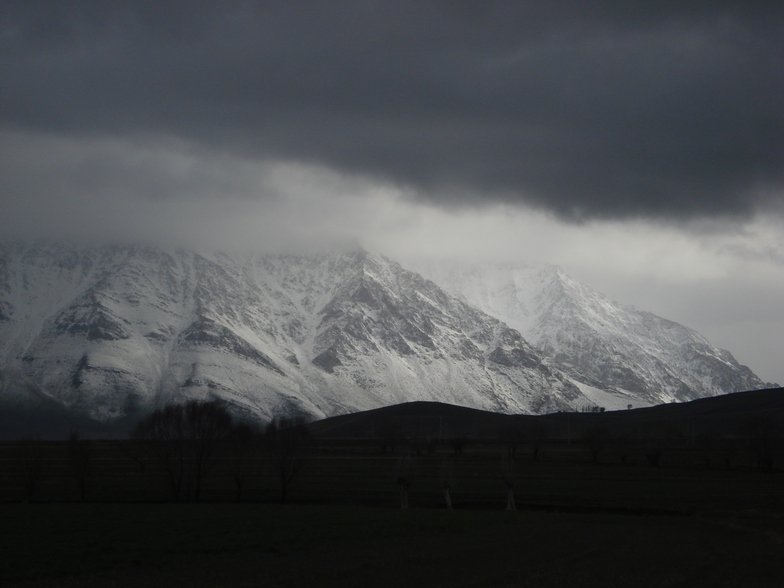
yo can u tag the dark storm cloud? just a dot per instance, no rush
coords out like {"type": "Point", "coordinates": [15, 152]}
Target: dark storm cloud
{"type": "Point", "coordinates": [586, 109]}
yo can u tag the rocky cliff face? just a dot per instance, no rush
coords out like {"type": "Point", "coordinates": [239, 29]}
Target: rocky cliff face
{"type": "Point", "coordinates": [109, 331]}
{"type": "Point", "coordinates": [599, 342]}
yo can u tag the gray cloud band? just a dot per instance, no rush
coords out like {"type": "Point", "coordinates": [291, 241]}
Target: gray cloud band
{"type": "Point", "coordinates": [607, 112]}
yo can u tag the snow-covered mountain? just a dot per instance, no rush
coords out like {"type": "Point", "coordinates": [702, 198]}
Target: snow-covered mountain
{"type": "Point", "coordinates": [612, 346]}
{"type": "Point", "coordinates": [108, 331]}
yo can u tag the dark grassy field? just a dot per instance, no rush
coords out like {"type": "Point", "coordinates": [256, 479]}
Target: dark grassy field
{"type": "Point", "coordinates": [322, 545]}
{"type": "Point", "coordinates": [688, 480]}
{"type": "Point", "coordinates": [579, 523]}
{"type": "Point", "coordinates": [704, 513]}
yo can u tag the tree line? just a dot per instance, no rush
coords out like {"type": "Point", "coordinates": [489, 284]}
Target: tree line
{"type": "Point", "coordinates": [181, 445]}
{"type": "Point", "coordinates": [185, 438]}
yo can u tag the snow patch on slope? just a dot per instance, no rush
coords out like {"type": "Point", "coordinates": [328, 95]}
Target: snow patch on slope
{"type": "Point", "coordinates": [602, 343]}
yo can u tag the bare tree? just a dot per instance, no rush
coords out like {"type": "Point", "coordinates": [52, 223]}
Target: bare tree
{"type": "Point", "coordinates": [162, 435]}
{"type": "Point", "coordinates": [79, 458]}
{"type": "Point", "coordinates": [657, 436]}
{"type": "Point", "coordinates": [536, 432]}
{"type": "Point", "coordinates": [623, 442]}
{"type": "Point", "coordinates": [206, 425]}
{"type": "Point", "coordinates": [389, 436]}
{"type": "Point", "coordinates": [448, 480]}
{"type": "Point", "coordinates": [288, 442]}
{"type": "Point", "coordinates": [458, 445]}
{"type": "Point", "coordinates": [595, 440]}
{"type": "Point", "coordinates": [405, 478]}
{"type": "Point", "coordinates": [508, 478]}
{"type": "Point", "coordinates": [762, 435]}
{"type": "Point", "coordinates": [30, 460]}
{"type": "Point", "coordinates": [240, 443]}
{"type": "Point", "coordinates": [183, 438]}
{"type": "Point", "coordinates": [510, 436]}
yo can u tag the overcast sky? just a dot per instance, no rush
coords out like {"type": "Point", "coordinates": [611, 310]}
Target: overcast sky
{"type": "Point", "coordinates": [638, 145]}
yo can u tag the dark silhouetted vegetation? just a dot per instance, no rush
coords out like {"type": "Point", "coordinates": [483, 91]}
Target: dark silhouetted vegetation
{"type": "Point", "coordinates": [508, 472]}
{"type": "Point", "coordinates": [29, 458]}
{"type": "Point", "coordinates": [715, 492]}
{"type": "Point", "coordinates": [536, 434]}
{"type": "Point", "coordinates": [80, 461]}
{"type": "Point", "coordinates": [184, 439]}
{"type": "Point", "coordinates": [405, 474]}
{"type": "Point", "coordinates": [241, 441]}
{"type": "Point", "coordinates": [448, 478]}
{"type": "Point", "coordinates": [289, 443]}
{"type": "Point", "coordinates": [458, 445]}
{"type": "Point", "coordinates": [510, 437]}
{"type": "Point", "coordinates": [762, 435]}
{"type": "Point", "coordinates": [595, 440]}
{"type": "Point", "coordinates": [389, 436]}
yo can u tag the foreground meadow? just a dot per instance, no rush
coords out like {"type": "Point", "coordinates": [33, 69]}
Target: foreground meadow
{"type": "Point", "coordinates": [321, 545]}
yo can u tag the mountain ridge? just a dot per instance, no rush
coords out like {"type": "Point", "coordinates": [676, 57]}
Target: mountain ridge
{"type": "Point", "coordinates": [109, 331]}
{"type": "Point", "coordinates": [104, 331]}
{"type": "Point", "coordinates": [600, 340]}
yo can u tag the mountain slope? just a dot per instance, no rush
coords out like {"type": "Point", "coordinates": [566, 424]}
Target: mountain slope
{"type": "Point", "coordinates": [109, 331]}
{"type": "Point", "coordinates": [601, 342]}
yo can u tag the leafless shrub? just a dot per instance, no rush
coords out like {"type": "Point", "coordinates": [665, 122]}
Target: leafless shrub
{"type": "Point", "coordinates": [30, 465]}
{"type": "Point", "coordinates": [80, 461]}
{"type": "Point", "coordinates": [240, 444]}
{"type": "Point", "coordinates": [183, 438]}
{"type": "Point", "coordinates": [405, 478]}
{"type": "Point", "coordinates": [289, 443]}
{"type": "Point", "coordinates": [508, 478]}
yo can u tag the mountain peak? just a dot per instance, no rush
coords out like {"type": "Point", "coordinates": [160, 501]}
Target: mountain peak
{"type": "Point", "coordinates": [320, 334]}
{"type": "Point", "coordinates": [106, 331]}
{"type": "Point", "coordinates": [601, 342]}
